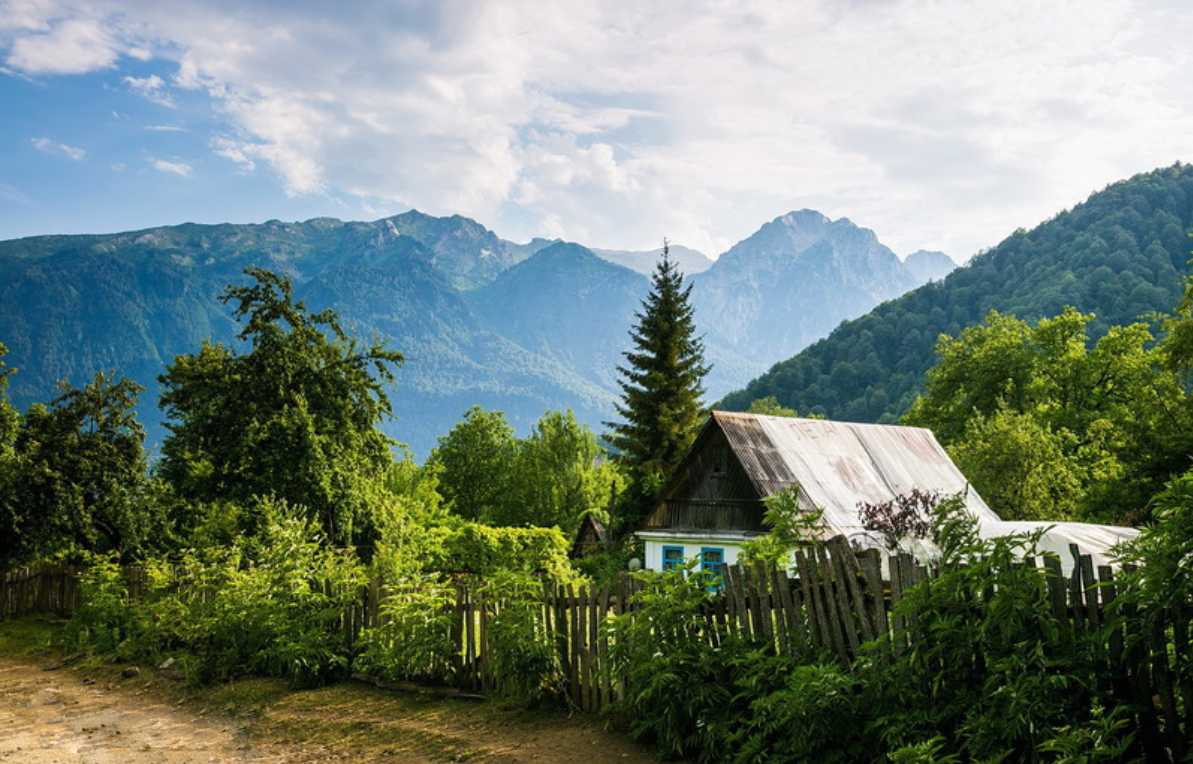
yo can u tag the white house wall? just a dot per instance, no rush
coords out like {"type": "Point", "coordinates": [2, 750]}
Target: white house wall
{"type": "Point", "coordinates": [693, 545]}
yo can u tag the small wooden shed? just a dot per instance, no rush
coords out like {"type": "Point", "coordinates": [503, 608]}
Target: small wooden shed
{"type": "Point", "coordinates": [591, 537]}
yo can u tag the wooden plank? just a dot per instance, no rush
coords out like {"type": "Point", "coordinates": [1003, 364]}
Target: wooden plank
{"type": "Point", "coordinates": [582, 610]}
{"type": "Point", "coordinates": [844, 583]}
{"type": "Point", "coordinates": [574, 644]}
{"type": "Point", "coordinates": [1056, 589]}
{"type": "Point", "coordinates": [1164, 685]}
{"type": "Point", "coordinates": [474, 615]}
{"type": "Point", "coordinates": [594, 649]}
{"type": "Point", "coordinates": [818, 628]}
{"type": "Point", "coordinates": [760, 593]}
{"type": "Point", "coordinates": [606, 605]}
{"type": "Point", "coordinates": [824, 590]}
{"type": "Point", "coordinates": [801, 630]}
{"type": "Point", "coordinates": [1093, 612]}
{"type": "Point", "coordinates": [1076, 590]}
{"type": "Point", "coordinates": [851, 571]}
{"type": "Point", "coordinates": [871, 565]}
{"type": "Point", "coordinates": [738, 604]}
{"type": "Point", "coordinates": [784, 612]}
{"type": "Point", "coordinates": [909, 575]}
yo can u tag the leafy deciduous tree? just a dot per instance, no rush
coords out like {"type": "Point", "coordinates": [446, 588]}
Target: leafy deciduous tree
{"type": "Point", "coordinates": [295, 417]}
{"type": "Point", "coordinates": [549, 478]}
{"type": "Point", "coordinates": [476, 461]}
{"type": "Point", "coordinates": [558, 476]}
{"type": "Point", "coordinates": [1047, 427]}
{"type": "Point", "coordinates": [77, 475]}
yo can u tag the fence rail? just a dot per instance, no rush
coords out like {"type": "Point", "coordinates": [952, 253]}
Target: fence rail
{"type": "Point", "coordinates": [835, 599]}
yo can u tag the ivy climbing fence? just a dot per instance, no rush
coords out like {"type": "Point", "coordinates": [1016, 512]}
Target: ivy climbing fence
{"type": "Point", "coordinates": [833, 600]}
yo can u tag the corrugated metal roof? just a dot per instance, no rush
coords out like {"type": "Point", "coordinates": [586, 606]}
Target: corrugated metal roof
{"type": "Point", "coordinates": [839, 465]}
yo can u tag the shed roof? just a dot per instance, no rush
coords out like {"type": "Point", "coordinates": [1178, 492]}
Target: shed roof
{"type": "Point", "coordinates": [839, 465]}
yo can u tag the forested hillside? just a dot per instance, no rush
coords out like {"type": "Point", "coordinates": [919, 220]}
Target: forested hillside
{"type": "Point", "coordinates": [1120, 255]}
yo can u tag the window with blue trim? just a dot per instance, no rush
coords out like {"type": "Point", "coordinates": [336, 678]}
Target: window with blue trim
{"type": "Point", "coordinates": [712, 561]}
{"type": "Point", "coordinates": [672, 557]}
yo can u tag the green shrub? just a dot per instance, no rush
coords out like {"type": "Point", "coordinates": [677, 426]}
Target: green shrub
{"type": "Point", "coordinates": [103, 620]}
{"type": "Point", "coordinates": [989, 668]}
{"type": "Point", "coordinates": [413, 640]}
{"type": "Point", "coordinates": [525, 659]}
{"type": "Point", "coordinates": [483, 550]}
{"type": "Point", "coordinates": [816, 713]}
{"type": "Point", "coordinates": [273, 605]}
{"type": "Point", "coordinates": [677, 686]}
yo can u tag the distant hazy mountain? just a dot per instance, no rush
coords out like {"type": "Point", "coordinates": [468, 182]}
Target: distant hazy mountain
{"type": "Point", "coordinates": [793, 281]}
{"type": "Point", "coordinates": [482, 321]}
{"type": "Point", "coordinates": [689, 260]}
{"type": "Point", "coordinates": [72, 305]}
{"type": "Point", "coordinates": [566, 304]}
{"type": "Point", "coordinates": [1120, 255]}
{"type": "Point", "coordinates": [928, 266]}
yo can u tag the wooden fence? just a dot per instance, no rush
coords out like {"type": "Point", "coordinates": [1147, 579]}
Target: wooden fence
{"type": "Point", "coordinates": [48, 589]}
{"type": "Point", "coordinates": [835, 599]}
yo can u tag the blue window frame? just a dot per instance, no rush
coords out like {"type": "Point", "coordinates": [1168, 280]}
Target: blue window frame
{"type": "Point", "coordinates": [712, 561]}
{"type": "Point", "coordinates": [672, 557]}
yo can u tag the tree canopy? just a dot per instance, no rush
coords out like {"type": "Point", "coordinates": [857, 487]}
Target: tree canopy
{"type": "Point", "coordinates": [550, 478]}
{"type": "Point", "coordinates": [662, 386]}
{"type": "Point", "coordinates": [475, 460]}
{"type": "Point", "coordinates": [294, 416]}
{"type": "Point", "coordinates": [1048, 427]}
{"type": "Point", "coordinates": [77, 474]}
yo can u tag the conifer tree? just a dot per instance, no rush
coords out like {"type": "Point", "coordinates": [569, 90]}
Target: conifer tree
{"type": "Point", "coordinates": [662, 385]}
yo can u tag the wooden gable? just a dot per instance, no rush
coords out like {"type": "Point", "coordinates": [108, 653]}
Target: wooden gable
{"type": "Point", "coordinates": [710, 490]}
{"type": "Point", "coordinates": [591, 537]}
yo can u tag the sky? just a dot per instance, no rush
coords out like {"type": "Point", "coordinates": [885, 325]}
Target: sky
{"type": "Point", "coordinates": [940, 125]}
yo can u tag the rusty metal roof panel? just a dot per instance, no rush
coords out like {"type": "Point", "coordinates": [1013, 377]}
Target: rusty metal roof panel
{"type": "Point", "coordinates": [840, 465]}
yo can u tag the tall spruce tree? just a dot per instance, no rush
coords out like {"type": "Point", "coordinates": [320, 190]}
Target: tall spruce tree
{"type": "Point", "coordinates": [662, 384]}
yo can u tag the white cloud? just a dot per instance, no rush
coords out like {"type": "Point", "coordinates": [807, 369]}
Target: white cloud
{"type": "Point", "coordinates": [940, 125]}
{"type": "Point", "coordinates": [181, 169]}
{"type": "Point", "coordinates": [72, 46]}
{"type": "Point", "coordinates": [53, 147]}
{"type": "Point", "coordinates": [152, 88]}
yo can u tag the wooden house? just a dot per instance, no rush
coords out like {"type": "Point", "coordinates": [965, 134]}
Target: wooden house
{"type": "Point", "coordinates": [713, 501]}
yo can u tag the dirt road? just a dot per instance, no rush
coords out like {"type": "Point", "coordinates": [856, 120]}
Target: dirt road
{"type": "Point", "coordinates": [70, 717]}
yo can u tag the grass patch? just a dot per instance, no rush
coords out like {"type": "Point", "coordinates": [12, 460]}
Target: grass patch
{"type": "Point", "coordinates": [246, 699]}
{"type": "Point", "coordinates": [29, 636]}
{"type": "Point", "coordinates": [369, 724]}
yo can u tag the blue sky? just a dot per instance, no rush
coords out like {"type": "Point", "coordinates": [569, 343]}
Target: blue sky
{"type": "Point", "coordinates": [940, 125]}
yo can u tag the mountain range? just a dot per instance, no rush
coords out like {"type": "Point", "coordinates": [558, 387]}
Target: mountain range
{"type": "Point", "coordinates": [1122, 255]}
{"type": "Point", "coordinates": [519, 328]}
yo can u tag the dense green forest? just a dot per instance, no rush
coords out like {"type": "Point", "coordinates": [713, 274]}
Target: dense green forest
{"type": "Point", "coordinates": [1119, 256]}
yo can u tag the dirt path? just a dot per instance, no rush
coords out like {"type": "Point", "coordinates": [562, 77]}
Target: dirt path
{"type": "Point", "coordinates": [52, 717]}
{"type": "Point", "coordinates": [70, 717]}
